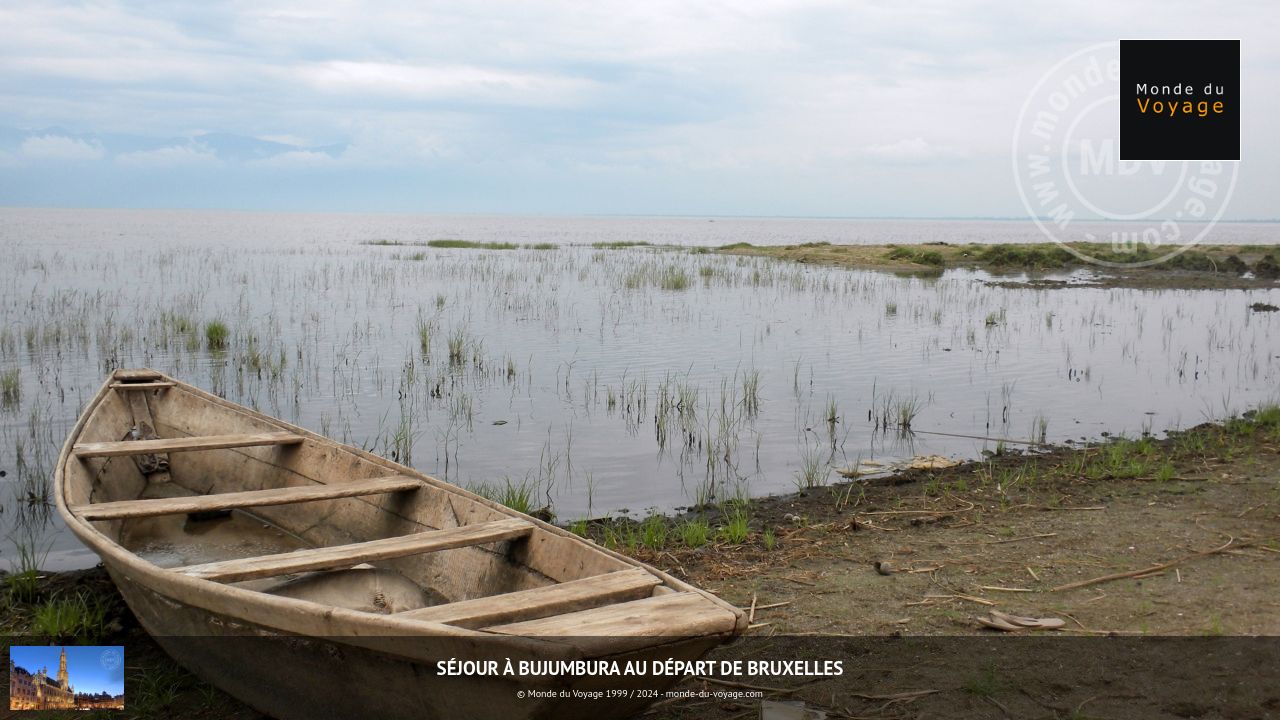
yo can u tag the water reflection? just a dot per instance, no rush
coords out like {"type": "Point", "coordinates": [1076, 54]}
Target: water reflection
{"type": "Point", "coordinates": [594, 379]}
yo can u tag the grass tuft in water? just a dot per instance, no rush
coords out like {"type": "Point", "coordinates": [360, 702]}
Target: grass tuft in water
{"type": "Point", "coordinates": [425, 330]}
{"type": "Point", "coordinates": [458, 347]}
{"type": "Point", "coordinates": [751, 392]}
{"type": "Point", "coordinates": [620, 244]}
{"type": "Point", "coordinates": [10, 388]}
{"type": "Point", "coordinates": [813, 470]}
{"type": "Point", "coordinates": [674, 278]}
{"type": "Point", "coordinates": [471, 244]}
{"type": "Point", "coordinates": [216, 334]}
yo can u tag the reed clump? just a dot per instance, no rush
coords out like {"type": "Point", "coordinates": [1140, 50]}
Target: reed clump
{"type": "Point", "coordinates": [471, 245]}
{"type": "Point", "coordinates": [216, 335]}
{"type": "Point", "coordinates": [10, 387]}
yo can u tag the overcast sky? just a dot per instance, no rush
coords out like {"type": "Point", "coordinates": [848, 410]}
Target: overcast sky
{"type": "Point", "coordinates": [736, 108]}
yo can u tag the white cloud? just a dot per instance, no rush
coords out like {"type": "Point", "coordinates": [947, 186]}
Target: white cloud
{"type": "Point", "coordinates": [790, 91]}
{"type": "Point", "coordinates": [424, 82]}
{"type": "Point", "coordinates": [910, 151]}
{"type": "Point", "coordinates": [284, 139]}
{"type": "Point", "coordinates": [60, 147]}
{"type": "Point", "coordinates": [309, 159]}
{"type": "Point", "coordinates": [169, 157]}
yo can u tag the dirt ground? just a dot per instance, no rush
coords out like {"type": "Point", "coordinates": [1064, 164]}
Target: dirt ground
{"type": "Point", "coordinates": [952, 552]}
{"type": "Point", "coordinates": [1177, 537]}
{"type": "Point", "coordinates": [1192, 549]}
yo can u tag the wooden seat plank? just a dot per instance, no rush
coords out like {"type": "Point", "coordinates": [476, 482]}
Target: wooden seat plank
{"type": "Point", "coordinates": [540, 602]}
{"type": "Point", "coordinates": [142, 385]}
{"type": "Point", "coordinates": [340, 556]}
{"type": "Point", "coordinates": [184, 444]}
{"type": "Point", "coordinates": [250, 498]}
{"type": "Point", "coordinates": [681, 614]}
{"type": "Point", "coordinates": [136, 375]}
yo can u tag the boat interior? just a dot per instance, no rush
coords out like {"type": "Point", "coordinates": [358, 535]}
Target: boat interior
{"type": "Point", "coordinates": [202, 487]}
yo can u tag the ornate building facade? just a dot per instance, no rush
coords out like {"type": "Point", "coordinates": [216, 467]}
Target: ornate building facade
{"type": "Point", "coordinates": [99, 701]}
{"type": "Point", "coordinates": [39, 691]}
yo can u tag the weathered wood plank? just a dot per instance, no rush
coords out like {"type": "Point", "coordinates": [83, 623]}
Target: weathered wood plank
{"type": "Point", "coordinates": [676, 615]}
{"type": "Point", "coordinates": [540, 602]}
{"type": "Point", "coordinates": [142, 385]}
{"type": "Point", "coordinates": [250, 498]}
{"type": "Point", "coordinates": [340, 556]}
{"type": "Point", "coordinates": [186, 444]}
{"type": "Point", "coordinates": [128, 375]}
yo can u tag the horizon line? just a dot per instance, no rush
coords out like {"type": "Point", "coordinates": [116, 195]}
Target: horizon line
{"type": "Point", "coordinates": [683, 216]}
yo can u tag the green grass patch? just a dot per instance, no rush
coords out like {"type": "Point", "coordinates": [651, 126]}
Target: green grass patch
{"type": "Point", "coordinates": [155, 691]}
{"type": "Point", "coordinates": [620, 244]}
{"type": "Point", "coordinates": [10, 387]}
{"type": "Point", "coordinates": [22, 586]}
{"type": "Point", "coordinates": [179, 324]}
{"type": "Point", "coordinates": [1031, 257]}
{"type": "Point", "coordinates": [216, 335]}
{"type": "Point", "coordinates": [932, 258]}
{"type": "Point", "coordinates": [653, 532]}
{"type": "Point", "coordinates": [1265, 418]}
{"type": "Point", "coordinates": [737, 524]}
{"type": "Point", "coordinates": [694, 532]}
{"type": "Point", "coordinates": [517, 496]}
{"type": "Point", "coordinates": [1267, 267]}
{"type": "Point", "coordinates": [1123, 459]}
{"type": "Point", "coordinates": [471, 244]}
{"type": "Point", "coordinates": [622, 535]}
{"type": "Point", "coordinates": [674, 278]}
{"type": "Point", "coordinates": [813, 471]}
{"type": "Point", "coordinates": [81, 618]}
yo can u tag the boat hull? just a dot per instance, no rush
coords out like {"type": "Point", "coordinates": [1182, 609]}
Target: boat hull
{"type": "Point", "coordinates": [293, 677]}
{"type": "Point", "coordinates": [291, 657]}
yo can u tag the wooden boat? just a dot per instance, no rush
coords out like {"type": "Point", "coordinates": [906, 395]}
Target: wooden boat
{"type": "Point", "coordinates": [311, 579]}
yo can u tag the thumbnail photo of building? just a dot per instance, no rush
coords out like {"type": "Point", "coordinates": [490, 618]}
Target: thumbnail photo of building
{"type": "Point", "coordinates": [37, 689]}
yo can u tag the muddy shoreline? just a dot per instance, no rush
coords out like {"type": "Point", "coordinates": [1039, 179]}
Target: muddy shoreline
{"type": "Point", "coordinates": [1125, 539]}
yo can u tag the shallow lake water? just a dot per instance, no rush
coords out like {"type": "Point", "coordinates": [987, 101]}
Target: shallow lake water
{"type": "Point", "coordinates": [601, 380]}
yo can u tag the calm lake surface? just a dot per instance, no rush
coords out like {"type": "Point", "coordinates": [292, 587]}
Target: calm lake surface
{"type": "Point", "coordinates": [602, 380]}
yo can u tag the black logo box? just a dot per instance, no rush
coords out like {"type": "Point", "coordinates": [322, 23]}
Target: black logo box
{"type": "Point", "coordinates": [1157, 80]}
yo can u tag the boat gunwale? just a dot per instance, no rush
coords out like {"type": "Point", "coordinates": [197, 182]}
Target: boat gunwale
{"type": "Point", "coordinates": [305, 617]}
